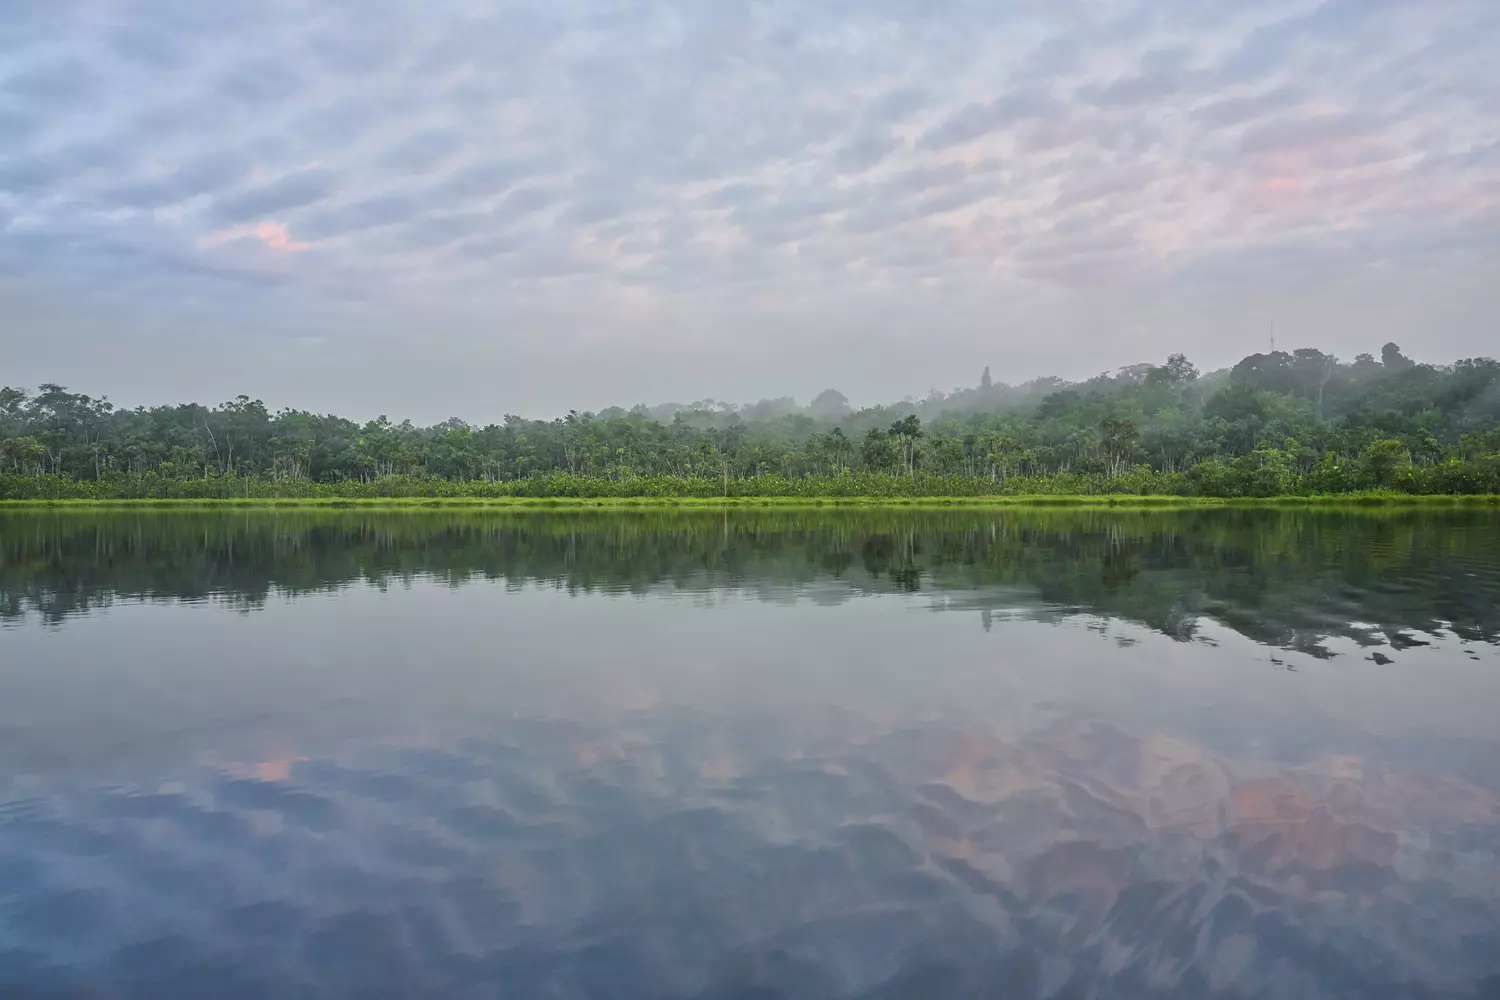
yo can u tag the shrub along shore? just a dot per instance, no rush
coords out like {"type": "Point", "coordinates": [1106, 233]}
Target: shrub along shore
{"type": "Point", "coordinates": [1139, 487]}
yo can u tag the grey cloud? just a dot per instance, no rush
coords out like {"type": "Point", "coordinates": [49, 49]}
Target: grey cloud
{"type": "Point", "coordinates": [481, 180]}
{"type": "Point", "coordinates": [184, 118]}
{"type": "Point", "coordinates": [23, 174]}
{"type": "Point", "coordinates": [358, 216]}
{"type": "Point", "coordinates": [1133, 21]}
{"type": "Point", "coordinates": [897, 104]}
{"type": "Point", "coordinates": [676, 230]}
{"type": "Point", "coordinates": [1299, 133]}
{"type": "Point", "coordinates": [145, 194]}
{"type": "Point", "coordinates": [1270, 45]}
{"type": "Point", "coordinates": [41, 244]}
{"type": "Point", "coordinates": [1161, 73]}
{"type": "Point", "coordinates": [621, 230]}
{"type": "Point", "coordinates": [736, 194]}
{"type": "Point", "coordinates": [27, 21]}
{"type": "Point", "coordinates": [493, 245]}
{"type": "Point", "coordinates": [931, 253]}
{"type": "Point", "coordinates": [1059, 55]}
{"type": "Point", "coordinates": [18, 125]}
{"type": "Point", "coordinates": [62, 168]}
{"type": "Point", "coordinates": [1166, 59]}
{"type": "Point", "coordinates": [92, 156]}
{"type": "Point", "coordinates": [1140, 89]}
{"type": "Point", "coordinates": [358, 50]}
{"type": "Point", "coordinates": [292, 191]}
{"type": "Point", "coordinates": [143, 43]}
{"type": "Point", "coordinates": [421, 152]}
{"type": "Point", "coordinates": [1230, 111]}
{"type": "Point", "coordinates": [127, 259]}
{"type": "Point", "coordinates": [1263, 49]}
{"type": "Point", "coordinates": [442, 230]}
{"type": "Point", "coordinates": [1105, 184]}
{"type": "Point", "coordinates": [786, 219]}
{"type": "Point", "coordinates": [597, 209]}
{"type": "Point", "coordinates": [865, 151]}
{"type": "Point", "coordinates": [795, 206]}
{"type": "Point", "coordinates": [1305, 258]}
{"type": "Point", "coordinates": [870, 217]}
{"type": "Point", "coordinates": [514, 35]}
{"type": "Point", "coordinates": [464, 145]}
{"type": "Point", "coordinates": [977, 120]}
{"type": "Point", "coordinates": [693, 268]}
{"type": "Point", "coordinates": [201, 176]}
{"type": "Point", "coordinates": [1078, 255]}
{"type": "Point", "coordinates": [915, 194]}
{"type": "Point", "coordinates": [1340, 18]}
{"type": "Point", "coordinates": [1486, 154]}
{"type": "Point", "coordinates": [190, 20]}
{"type": "Point", "coordinates": [523, 201]}
{"type": "Point", "coordinates": [971, 191]}
{"type": "Point", "coordinates": [51, 87]}
{"type": "Point", "coordinates": [348, 117]}
{"type": "Point", "coordinates": [1076, 222]}
{"type": "Point", "coordinates": [804, 127]}
{"type": "Point", "coordinates": [210, 172]}
{"type": "Point", "coordinates": [917, 179]}
{"type": "Point", "coordinates": [1124, 131]}
{"type": "Point", "coordinates": [635, 242]}
{"type": "Point", "coordinates": [265, 82]}
{"type": "Point", "coordinates": [548, 262]}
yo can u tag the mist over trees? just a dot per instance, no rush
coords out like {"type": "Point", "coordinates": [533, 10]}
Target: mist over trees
{"type": "Point", "coordinates": [1271, 420]}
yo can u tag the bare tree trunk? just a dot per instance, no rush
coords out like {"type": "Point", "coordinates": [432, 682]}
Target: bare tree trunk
{"type": "Point", "coordinates": [1327, 374]}
{"type": "Point", "coordinates": [215, 442]}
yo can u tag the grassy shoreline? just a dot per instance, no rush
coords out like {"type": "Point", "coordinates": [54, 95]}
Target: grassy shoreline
{"type": "Point", "coordinates": [533, 503]}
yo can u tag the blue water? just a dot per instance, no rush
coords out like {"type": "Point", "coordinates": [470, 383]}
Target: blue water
{"type": "Point", "coordinates": [780, 755]}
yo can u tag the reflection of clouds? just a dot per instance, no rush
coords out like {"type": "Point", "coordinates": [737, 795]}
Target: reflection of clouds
{"type": "Point", "coordinates": [676, 850]}
{"type": "Point", "coordinates": [670, 853]}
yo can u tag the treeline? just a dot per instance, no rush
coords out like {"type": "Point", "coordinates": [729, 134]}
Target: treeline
{"type": "Point", "coordinates": [1276, 423]}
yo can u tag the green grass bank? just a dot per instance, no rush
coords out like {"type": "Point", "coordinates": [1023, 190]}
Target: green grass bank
{"type": "Point", "coordinates": [1362, 499]}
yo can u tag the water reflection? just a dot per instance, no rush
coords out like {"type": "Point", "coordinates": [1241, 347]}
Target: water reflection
{"type": "Point", "coordinates": [327, 755]}
{"type": "Point", "coordinates": [1284, 578]}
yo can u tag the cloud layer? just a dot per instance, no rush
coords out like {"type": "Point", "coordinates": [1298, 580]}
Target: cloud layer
{"type": "Point", "coordinates": [668, 172]}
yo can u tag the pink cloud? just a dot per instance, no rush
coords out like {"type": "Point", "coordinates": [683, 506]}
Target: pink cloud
{"type": "Point", "coordinates": [272, 234]}
{"type": "Point", "coordinates": [275, 236]}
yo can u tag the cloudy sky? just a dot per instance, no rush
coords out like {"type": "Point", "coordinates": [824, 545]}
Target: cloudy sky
{"type": "Point", "coordinates": [474, 207]}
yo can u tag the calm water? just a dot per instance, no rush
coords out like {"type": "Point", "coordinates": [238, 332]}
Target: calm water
{"type": "Point", "coordinates": [1052, 754]}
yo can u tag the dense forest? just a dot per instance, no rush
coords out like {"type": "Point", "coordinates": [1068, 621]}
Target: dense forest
{"type": "Point", "coordinates": [1276, 423]}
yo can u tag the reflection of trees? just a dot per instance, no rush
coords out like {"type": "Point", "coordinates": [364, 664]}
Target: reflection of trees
{"type": "Point", "coordinates": [1287, 578]}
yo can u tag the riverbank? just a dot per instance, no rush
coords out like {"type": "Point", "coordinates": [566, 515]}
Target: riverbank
{"type": "Point", "coordinates": [1365, 499]}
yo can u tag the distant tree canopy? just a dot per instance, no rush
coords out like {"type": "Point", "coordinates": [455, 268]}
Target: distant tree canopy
{"type": "Point", "coordinates": [1271, 421]}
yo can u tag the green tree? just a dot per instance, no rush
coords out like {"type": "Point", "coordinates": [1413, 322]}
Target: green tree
{"type": "Point", "coordinates": [1117, 444]}
{"type": "Point", "coordinates": [1386, 462]}
{"type": "Point", "coordinates": [906, 432]}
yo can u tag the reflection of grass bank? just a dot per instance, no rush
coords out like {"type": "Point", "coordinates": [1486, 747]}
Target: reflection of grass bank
{"type": "Point", "coordinates": [1284, 573]}
{"type": "Point", "coordinates": [1372, 499]}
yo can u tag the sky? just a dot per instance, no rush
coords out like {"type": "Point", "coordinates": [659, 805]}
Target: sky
{"type": "Point", "coordinates": [472, 208]}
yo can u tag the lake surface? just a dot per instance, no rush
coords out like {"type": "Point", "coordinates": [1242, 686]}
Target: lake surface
{"type": "Point", "coordinates": [750, 755]}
